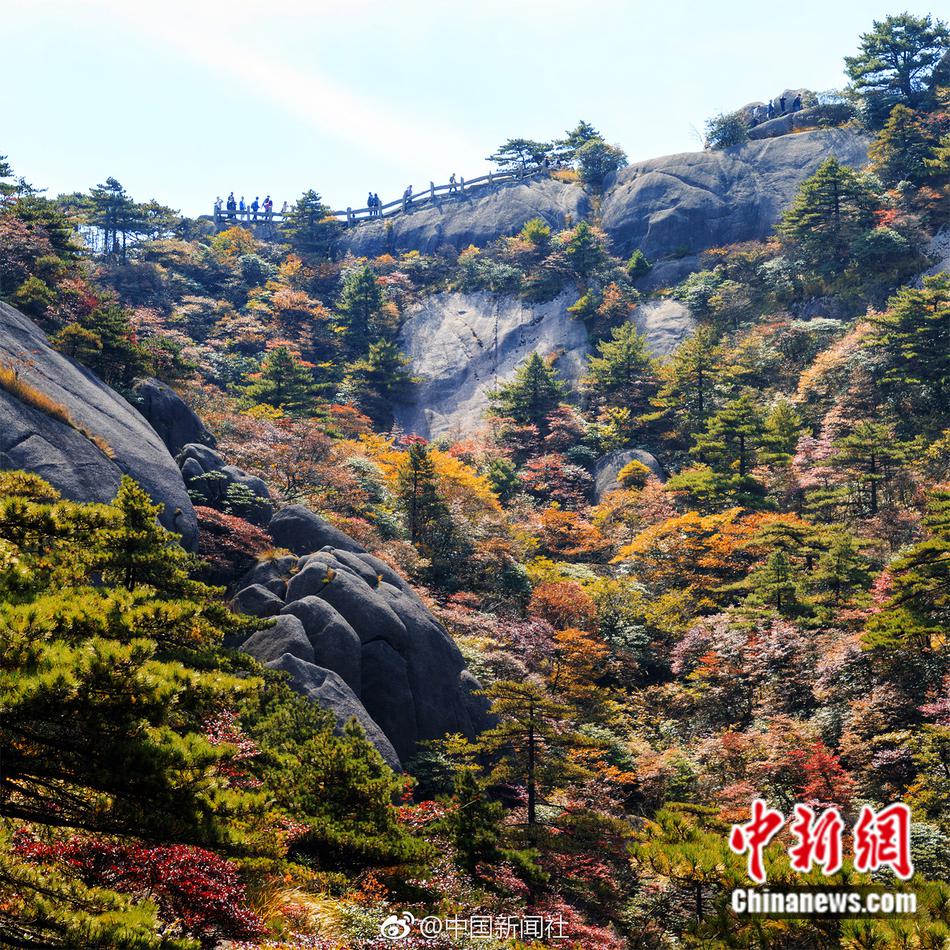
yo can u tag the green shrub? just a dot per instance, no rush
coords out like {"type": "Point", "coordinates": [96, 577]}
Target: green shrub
{"type": "Point", "coordinates": [638, 265]}
{"type": "Point", "coordinates": [726, 130]}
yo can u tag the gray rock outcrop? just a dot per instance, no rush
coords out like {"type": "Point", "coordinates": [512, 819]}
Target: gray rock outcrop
{"type": "Point", "coordinates": [328, 690]}
{"type": "Point", "coordinates": [299, 530]}
{"type": "Point", "coordinates": [683, 204]}
{"type": "Point", "coordinates": [347, 612]}
{"type": "Point", "coordinates": [610, 466]}
{"type": "Point", "coordinates": [824, 115]}
{"type": "Point", "coordinates": [670, 206]}
{"type": "Point", "coordinates": [476, 218]}
{"type": "Point", "coordinates": [257, 600]}
{"type": "Point", "coordinates": [170, 416]}
{"type": "Point", "coordinates": [221, 486]}
{"type": "Point", "coordinates": [287, 635]}
{"type": "Point", "coordinates": [37, 441]}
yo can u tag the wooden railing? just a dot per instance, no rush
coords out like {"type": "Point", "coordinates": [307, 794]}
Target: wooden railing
{"type": "Point", "coordinates": [223, 216]}
{"type": "Point", "coordinates": [434, 194]}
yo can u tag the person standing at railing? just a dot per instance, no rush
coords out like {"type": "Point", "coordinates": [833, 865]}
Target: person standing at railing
{"type": "Point", "coordinates": [268, 208]}
{"type": "Point", "coordinates": [242, 209]}
{"type": "Point", "coordinates": [218, 203]}
{"type": "Point", "coordinates": [232, 206]}
{"type": "Point", "coordinates": [283, 209]}
{"type": "Point", "coordinates": [377, 205]}
{"type": "Point", "coordinates": [369, 203]}
{"type": "Point", "coordinates": [407, 199]}
{"type": "Point", "coordinates": [453, 185]}
{"type": "Point", "coordinates": [255, 206]}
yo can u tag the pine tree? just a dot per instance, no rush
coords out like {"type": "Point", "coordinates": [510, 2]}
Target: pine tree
{"type": "Point", "coordinates": [774, 584]}
{"type": "Point", "coordinates": [621, 374]}
{"type": "Point", "coordinates": [584, 250]}
{"type": "Point", "coordinates": [284, 383]}
{"type": "Point", "coordinates": [475, 822]}
{"type": "Point", "coordinates": [136, 549]}
{"type": "Point", "coordinates": [840, 572]}
{"type": "Point", "coordinates": [528, 398]}
{"type": "Point", "coordinates": [780, 432]}
{"type": "Point", "coordinates": [7, 188]}
{"type": "Point", "coordinates": [684, 400]}
{"type": "Point", "coordinates": [582, 133]}
{"type": "Point", "coordinates": [686, 845]}
{"type": "Point", "coordinates": [798, 539]}
{"type": "Point", "coordinates": [378, 380]}
{"type": "Point", "coordinates": [914, 337]}
{"type": "Point", "coordinates": [518, 155]}
{"type": "Point", "coordinates": [833, 208]}
{"type": "Point", "coordinates": [531, 743]}
{"type": "Point", "coordinates": [902, 148]}
{"type": "Point", "coordinates": [897, 57]}
{"type": "Point", "coordinates": [309, 227]}
{"type": "Point", "coordinates": [104, 341]}
{"type": "Point", "coordinates": [113, 211]}
{"type": "Point", "coordinates": [418, 495]}
{"type": "Point", "coordinates": [336, 784]}
{"type": "Point", "coordinates": [870, 457]}
{"type": "Point", "coordinates": [917, 614]}
{"type": "Point", "coordinates": [101, 726]}
{"type": "Point", "coordinates": [938, 164]}
{"type": "Point", "coordinates": [637, 265]}
{"type": "Point", "coordinates": [111, 691]}
{"type": "Point", "coordinates": [733, 436]}
{"type": "Point", "coordinates": [360, 305]}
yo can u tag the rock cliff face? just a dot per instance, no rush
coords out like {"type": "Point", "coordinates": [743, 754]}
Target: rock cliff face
{"type": "Point", "coordinates": [460, 345]}
{"type": "Point", "coordinates": [170, 416]}
{"type": "Point", "coordinates": [477, 218]}
{"type": "Point", "coordinates": [683, 204]}
{"type": "Point", "coordinates": [41, 442]}
{"type": "Point", "coordinates": [355, 638]}
{"type": "Point", "coordinates": [674, 205]}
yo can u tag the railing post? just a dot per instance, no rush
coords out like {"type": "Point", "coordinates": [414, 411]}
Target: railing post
{"type": "Point", "coordinates": [432, 190]}
{"type": "Point", "coordinates": [349, 215]}
{"type": "Point", "coordinates": [461, 184]}
{"type": "Point", "coordinates": [490, 179]}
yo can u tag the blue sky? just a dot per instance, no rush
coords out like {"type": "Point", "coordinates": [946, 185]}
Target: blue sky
{"type": "Point", "coordinates": [185, 99]}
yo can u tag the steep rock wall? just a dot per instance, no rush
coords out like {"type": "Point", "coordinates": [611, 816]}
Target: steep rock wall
{"type": "Point", "coordinates": [39, 442]}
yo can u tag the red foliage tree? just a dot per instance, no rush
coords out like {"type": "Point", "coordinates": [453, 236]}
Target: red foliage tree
{"type": "Point", "coordinates": [229, 545]}
{"type": "Point", "coordinates": [196, 888]}
{"type": "Point", "coordinates": [563, 604]}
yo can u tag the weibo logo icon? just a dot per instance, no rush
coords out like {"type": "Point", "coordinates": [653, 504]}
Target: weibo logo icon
{"type": "Point", "coordinates": [397, 926]}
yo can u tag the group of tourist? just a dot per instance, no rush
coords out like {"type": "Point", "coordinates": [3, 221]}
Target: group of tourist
{"type": "Point", "coordinates": [237, 209]}
{"type": "Point", "coordinates": [241, 210]}
{"type": "Point", "coordinates": [774, 108]}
